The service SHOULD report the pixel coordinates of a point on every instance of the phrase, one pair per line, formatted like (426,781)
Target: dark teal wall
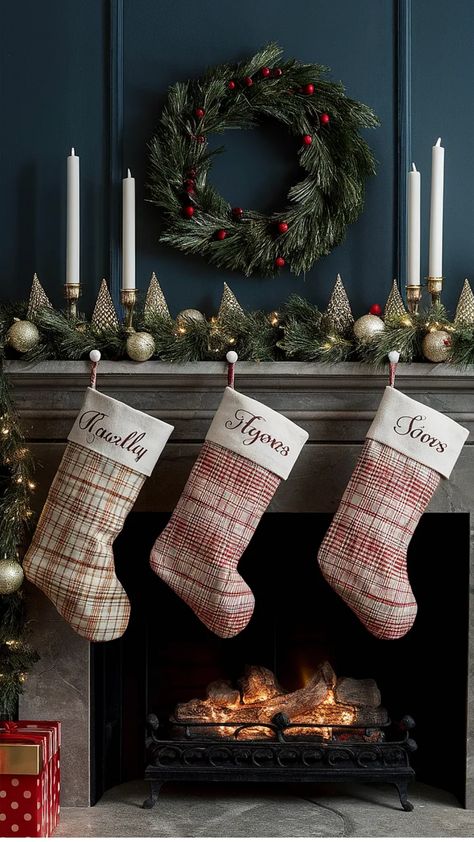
(61,86)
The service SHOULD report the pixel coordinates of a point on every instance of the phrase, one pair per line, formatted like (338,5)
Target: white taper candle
(73,220)
(128,232)
(413,227)
(435,266)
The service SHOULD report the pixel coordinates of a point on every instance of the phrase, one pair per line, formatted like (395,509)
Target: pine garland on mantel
(298,330)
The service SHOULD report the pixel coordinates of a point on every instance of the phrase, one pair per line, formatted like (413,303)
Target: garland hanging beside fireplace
(335,160)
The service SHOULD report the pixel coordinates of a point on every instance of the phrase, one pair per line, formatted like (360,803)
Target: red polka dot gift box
(29,778)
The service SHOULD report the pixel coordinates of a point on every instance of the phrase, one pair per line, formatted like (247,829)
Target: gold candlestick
(71,294)
(413,292)
(128,298)
(435,288)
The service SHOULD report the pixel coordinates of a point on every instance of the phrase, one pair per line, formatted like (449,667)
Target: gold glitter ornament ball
(11,576)
(367,327)
(190,316)
(23,336)
(140,346)
(435,346)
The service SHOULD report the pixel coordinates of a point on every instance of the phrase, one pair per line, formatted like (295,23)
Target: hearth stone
(335,404)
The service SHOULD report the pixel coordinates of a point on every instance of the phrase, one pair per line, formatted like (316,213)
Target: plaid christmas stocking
(248,450)
(363,555)
(111,450)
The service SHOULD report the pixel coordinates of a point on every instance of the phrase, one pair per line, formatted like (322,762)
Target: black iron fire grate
(280,758)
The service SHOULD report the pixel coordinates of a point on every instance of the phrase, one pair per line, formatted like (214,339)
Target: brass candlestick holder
(435,288)
(128,298)
(414,293)
(71,294)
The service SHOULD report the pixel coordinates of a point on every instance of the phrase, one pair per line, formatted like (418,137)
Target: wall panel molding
(403,55)
(116,118)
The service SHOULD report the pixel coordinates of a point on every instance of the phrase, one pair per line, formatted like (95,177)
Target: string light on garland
(317,211)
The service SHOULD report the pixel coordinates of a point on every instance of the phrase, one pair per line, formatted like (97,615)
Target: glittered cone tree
(38,299)
(394,306)
(155,301)
(104,316)
(229,306)
(339,311)
(465,308)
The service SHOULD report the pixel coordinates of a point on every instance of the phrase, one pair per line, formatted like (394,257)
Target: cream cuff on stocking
(418,431)
(118,432)
(252,430)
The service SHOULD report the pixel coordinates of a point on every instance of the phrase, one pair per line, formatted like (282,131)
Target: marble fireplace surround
(334,403)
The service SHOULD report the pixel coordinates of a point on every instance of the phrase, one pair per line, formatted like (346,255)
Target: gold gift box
(20,759)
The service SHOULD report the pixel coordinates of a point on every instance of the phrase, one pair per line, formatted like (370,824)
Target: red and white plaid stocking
(249,449)
(111,450)
(363,555)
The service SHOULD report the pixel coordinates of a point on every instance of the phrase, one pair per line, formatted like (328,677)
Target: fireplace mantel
(334,403)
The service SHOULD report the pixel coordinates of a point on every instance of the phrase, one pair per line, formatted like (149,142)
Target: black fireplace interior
(168,656)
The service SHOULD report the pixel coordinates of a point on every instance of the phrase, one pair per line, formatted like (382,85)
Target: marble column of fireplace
(334,403)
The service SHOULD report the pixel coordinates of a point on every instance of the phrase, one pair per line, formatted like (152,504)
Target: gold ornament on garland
(394,306)
(155,301)
(186,316)
(368,327)
(339,309)
(38,299)
(140,346)
(436,345)
(11,576)
(23,335)
(104,316)
(465,309)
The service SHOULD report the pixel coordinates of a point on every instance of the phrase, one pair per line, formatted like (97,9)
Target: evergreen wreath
(335,160)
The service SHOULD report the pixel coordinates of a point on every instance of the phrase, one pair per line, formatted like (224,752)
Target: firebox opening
(168,657)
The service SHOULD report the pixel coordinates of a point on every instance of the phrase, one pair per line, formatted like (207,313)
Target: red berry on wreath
(277,72)
(237,213)
(375,310)
(309,89)
(188,211)
(221,234)
(307,139)
(231,85)
(324,119)
(265,71)
(282,227)
(199,112)
(189,185)
(200,138)
(191,173)
(280,262)
(248,81)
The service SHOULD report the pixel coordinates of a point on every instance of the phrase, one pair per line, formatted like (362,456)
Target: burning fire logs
(325,700)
